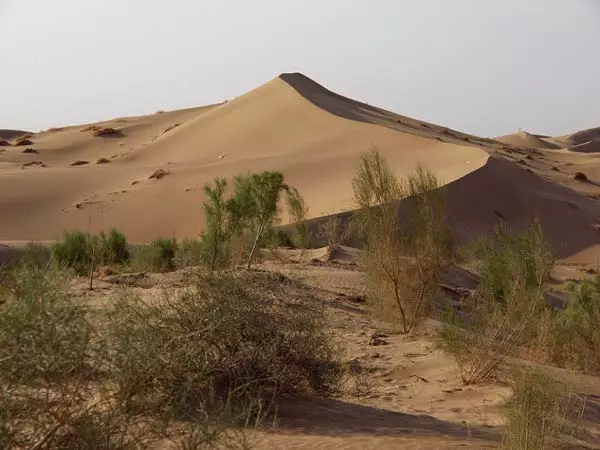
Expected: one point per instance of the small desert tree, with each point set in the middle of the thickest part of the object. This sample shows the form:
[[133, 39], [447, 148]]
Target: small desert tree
[[298, 211], [405, 250], [502, 316], [215, 237], [255, 205]]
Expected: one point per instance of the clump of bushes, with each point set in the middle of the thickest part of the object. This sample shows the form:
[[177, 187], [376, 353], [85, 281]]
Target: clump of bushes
[[79, 250], [158, 256], [220, 348], [237, 226], [184, 368]]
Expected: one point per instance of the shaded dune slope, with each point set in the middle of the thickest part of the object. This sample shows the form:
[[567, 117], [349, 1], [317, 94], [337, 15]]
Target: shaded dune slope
[[290, 124], [11, 134]]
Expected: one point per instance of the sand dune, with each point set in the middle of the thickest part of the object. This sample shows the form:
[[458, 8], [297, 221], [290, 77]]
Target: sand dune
[[525, 140], [291, 124]]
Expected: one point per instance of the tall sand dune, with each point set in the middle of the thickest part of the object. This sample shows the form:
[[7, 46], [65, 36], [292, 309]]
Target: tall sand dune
[[100, 175]]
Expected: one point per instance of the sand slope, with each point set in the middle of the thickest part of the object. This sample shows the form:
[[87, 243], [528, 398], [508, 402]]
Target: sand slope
[[291, 124]]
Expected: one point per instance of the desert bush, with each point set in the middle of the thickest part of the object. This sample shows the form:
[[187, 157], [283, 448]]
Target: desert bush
[[298, 210], [79, 250], [255, 205], [573, 336], [503, 315], [405, 251], [215, 239], [158, 256], [190, 252], [331, 231], [112, 248], [36, 255], [44, 334], [223, 348], [539, 412], [75, 251]]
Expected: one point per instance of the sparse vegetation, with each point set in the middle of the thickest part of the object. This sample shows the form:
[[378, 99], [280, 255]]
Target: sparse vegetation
[[23, 141], [80, 251], [570, 336], [502, 317], [107, 132], [158, 256], [404, 251], [538, 413], [79, 163], [215, 239], [298, 210]]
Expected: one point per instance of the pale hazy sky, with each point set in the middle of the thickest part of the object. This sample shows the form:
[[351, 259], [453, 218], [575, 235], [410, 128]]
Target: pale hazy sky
[[481, 66]]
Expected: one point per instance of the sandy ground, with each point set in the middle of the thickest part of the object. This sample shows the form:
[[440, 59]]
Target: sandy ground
[[70, 178]]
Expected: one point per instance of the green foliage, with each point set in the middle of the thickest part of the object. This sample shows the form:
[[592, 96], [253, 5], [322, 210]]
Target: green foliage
[[112, 248], [190, 252], [405, 250], [255, 205], [574, 337], [36, 255], [524, 253], [298, 210], [503, 315], [538, 412], [215, 238], [78, 250], [220, 348], [158, 256], [44, 335], [75, 251]]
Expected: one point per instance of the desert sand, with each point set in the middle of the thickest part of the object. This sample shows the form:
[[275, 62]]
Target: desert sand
[[70, 177]]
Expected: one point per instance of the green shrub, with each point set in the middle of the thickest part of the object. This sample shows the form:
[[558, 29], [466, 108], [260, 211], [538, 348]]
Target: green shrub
[[538, 412], [112, 248], [36, 255], [78, 250], [573, 339], [504, 314], [44, 334], [277, 237], [158, 256], [403, 257], [190, 252], [75, 251], [222, 348]]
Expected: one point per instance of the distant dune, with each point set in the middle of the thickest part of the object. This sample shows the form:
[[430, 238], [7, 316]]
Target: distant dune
[[525, 140], [11, 134], [291, 124]]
